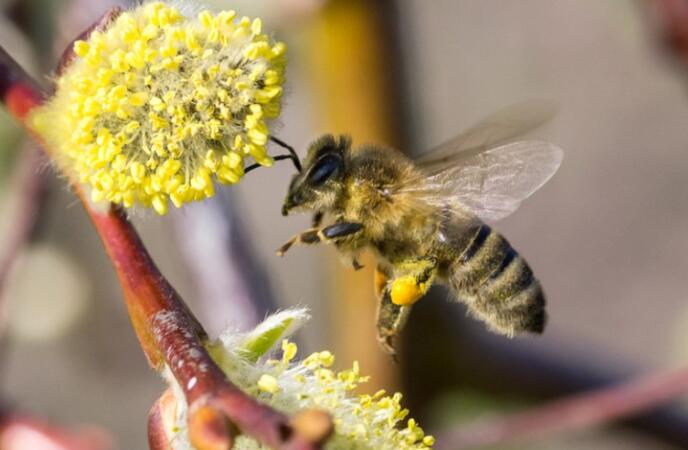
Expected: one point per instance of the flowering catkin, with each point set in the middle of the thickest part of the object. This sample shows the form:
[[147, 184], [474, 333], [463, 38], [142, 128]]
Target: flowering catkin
[[158, 106], [362, 422]]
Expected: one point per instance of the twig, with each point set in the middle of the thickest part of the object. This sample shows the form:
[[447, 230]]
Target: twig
[[673, 15], [169, 334], [31, 194], [22, 433], [579, 411]]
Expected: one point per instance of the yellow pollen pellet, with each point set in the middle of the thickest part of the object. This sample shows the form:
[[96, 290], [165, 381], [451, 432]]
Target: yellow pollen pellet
[[405, 291]]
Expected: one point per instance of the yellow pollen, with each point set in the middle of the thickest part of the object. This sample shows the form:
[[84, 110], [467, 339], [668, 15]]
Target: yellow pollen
[[156, 89], [268, 383], [405, 291]]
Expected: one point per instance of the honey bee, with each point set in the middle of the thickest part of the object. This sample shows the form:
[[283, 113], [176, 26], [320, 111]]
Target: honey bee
[[425, 220]]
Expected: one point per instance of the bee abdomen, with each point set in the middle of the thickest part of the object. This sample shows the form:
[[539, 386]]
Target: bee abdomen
[[498, 285]]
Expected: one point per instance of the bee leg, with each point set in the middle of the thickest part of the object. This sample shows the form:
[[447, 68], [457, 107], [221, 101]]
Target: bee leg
[[382, 275], [309, 236], [329, 233], [413, 280], [317, 219], [390, 320]]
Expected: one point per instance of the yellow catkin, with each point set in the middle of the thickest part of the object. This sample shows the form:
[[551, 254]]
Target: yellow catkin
[[361, 421], [158, 107]]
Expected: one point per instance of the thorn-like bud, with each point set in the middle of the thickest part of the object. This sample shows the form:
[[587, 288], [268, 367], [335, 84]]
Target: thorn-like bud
[[209, 429], [313, 424]]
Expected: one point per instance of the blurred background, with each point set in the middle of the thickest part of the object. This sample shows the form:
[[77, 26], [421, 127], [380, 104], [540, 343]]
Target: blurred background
[[606, 236]]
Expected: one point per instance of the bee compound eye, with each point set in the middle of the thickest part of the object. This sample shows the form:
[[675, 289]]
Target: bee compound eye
[[324, 168]]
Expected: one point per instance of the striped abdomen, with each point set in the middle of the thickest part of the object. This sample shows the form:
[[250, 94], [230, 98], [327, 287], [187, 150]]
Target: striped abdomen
[[497, 285]]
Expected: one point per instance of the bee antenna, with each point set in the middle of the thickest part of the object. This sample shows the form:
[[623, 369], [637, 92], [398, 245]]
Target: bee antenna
[[292, 153], [276, 158], [292, 156]]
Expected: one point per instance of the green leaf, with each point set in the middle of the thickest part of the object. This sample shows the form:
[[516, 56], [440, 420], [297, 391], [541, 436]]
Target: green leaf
[[271, 331]]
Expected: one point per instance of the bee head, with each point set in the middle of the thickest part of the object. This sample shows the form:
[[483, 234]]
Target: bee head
[[318, 185]]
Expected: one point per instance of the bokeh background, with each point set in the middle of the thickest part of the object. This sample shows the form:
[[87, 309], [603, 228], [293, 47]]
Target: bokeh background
[[606, 236]]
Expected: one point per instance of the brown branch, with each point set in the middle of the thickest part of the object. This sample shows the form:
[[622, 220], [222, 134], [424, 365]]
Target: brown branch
[[569, 414], [169, 334], [28, 205]]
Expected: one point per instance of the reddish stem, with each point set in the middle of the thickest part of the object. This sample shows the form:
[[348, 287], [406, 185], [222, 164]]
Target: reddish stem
[[170, 335], [579, 411], [673, 15], [23, 433]]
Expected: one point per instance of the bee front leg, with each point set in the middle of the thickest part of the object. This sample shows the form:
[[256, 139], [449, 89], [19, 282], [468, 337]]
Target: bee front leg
[[390, 321], [330, 233], [317, 219]]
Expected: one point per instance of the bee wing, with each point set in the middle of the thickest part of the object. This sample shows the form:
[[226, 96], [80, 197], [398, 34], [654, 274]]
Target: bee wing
[[492, 183], [504, 125]]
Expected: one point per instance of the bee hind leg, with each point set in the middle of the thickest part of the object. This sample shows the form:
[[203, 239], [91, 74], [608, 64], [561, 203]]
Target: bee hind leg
[[391, 319], [329, 233], [412, 281]]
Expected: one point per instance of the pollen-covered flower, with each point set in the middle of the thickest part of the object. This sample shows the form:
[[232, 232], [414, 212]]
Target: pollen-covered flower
[[158, 106], [362, 422]]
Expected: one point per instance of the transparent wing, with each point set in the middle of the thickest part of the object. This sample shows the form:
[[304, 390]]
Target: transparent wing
[[492, 183], [504, 125]]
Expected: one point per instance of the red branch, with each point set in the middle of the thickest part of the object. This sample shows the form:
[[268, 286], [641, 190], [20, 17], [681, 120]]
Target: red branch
[[573, 413], [168, 332], [22, 433], [673, 15]]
